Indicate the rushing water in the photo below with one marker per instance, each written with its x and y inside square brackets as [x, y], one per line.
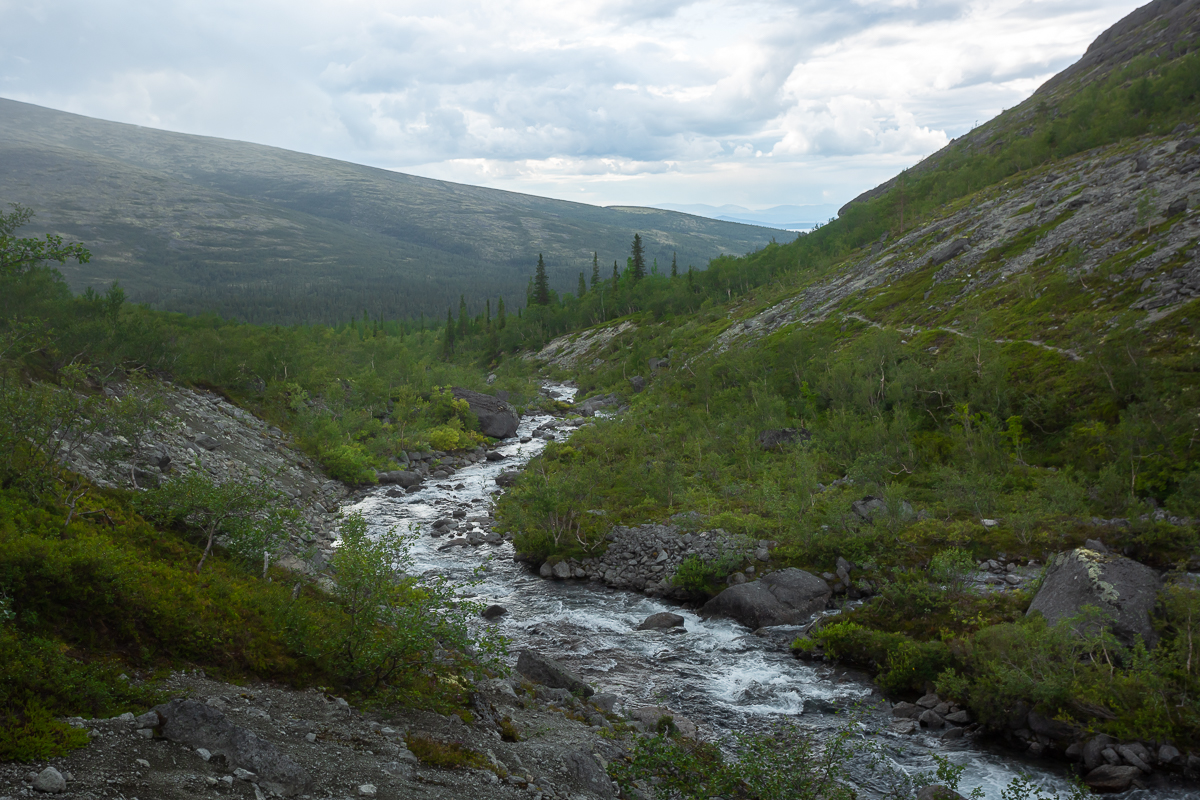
[715, 672]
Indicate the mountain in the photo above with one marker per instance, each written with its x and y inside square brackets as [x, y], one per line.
[196, 224]
[786, 217]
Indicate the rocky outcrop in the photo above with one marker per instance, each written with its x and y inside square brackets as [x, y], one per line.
[201, 726]
[786, 597]
[589, 407]
[405, 478]
[497, 418]
[1123, 590]
[548, 672]
[645, 557]
[776, 438]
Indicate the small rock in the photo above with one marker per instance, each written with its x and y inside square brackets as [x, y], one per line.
[931, 719]
[929, 701]
[938, 793]
[51, 781]
[204, 754]
[310, 737]
[1110, 778]
[1132, 758]
[953, 733]
[906, 710]
[493, 612]
[366, 790]
[1169, 755]
[244, 775]
[959, 718]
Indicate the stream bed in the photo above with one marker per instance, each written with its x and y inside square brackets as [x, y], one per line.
[717, 673]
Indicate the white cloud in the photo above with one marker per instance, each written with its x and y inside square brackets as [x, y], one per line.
[757, 102]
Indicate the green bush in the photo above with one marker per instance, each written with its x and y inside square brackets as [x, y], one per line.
[33, 734]
[705, 576]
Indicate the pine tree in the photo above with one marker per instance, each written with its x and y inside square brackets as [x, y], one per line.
[674, 267]
[691, 279]
[616, 273]
[639, 258]
[582, 285]
[595, 269]
[501, 317]
[541, 284]
[487, 317]
[448, 341]
[463, 322]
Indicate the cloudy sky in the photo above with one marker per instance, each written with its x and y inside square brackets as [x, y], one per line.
[603, 101]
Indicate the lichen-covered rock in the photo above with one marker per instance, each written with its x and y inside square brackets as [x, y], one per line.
[548, 672]
[1123, 590]
[497, 418]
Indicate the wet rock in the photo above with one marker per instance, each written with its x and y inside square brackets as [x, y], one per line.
[495, 455]
[198, 725]
[786, 597]
[507, 478]
[548, 672]
[497, 418]
[904, 727]
[930, 700]
[1110, 778]
[938, 793]
[952, 733]
[1168, 754]
[50, 781]
[605, 701]
[400, 477]
[1133, 758]
[588, 774]
[1122, 589]
[493, 612]
[561, 570]
[959, 718]
[931, 719]
[906, 710]
[660, 621]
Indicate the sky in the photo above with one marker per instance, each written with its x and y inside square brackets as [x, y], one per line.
[611, 102]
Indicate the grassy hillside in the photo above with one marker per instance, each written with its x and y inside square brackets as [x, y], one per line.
[1001, 347]
[201, 225]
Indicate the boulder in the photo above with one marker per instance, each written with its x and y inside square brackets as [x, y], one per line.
[195, 724]
[548, 672]
[50, 781]
[497, 418]
[1110, 778]
[868, 507]
[786, 597]
[507, 478]
[589, 407]
[660, 621]
[938, 793]
[493, 612]
[637, 383]
[1122, 589]
[399, 477]
[948, 251]
[651, 716]
[1053, 729]
[588, 774]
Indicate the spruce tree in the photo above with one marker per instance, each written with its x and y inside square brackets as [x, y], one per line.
[541, 284]
[448, 341]
[616, 273]
[639, 258]
[595, 269]
[463, 322]
[674, 267]
[487, 316]
[501, 317]
[582, 285]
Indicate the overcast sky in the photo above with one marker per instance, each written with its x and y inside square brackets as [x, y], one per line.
[603, 101]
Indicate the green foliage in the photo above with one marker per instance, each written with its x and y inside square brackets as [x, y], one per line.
[446, 755]
[35, 735]
[705, 577]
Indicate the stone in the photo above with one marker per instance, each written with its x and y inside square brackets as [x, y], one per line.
[548, 672]
[1074, 752]
[589, 407]
[904, 727]
[1168, 754]
[867, 508]
[366, 790]
[493, 612]
[953, 732]
[245, 775]
[938, 793]
[959, 718]
[1110, 778]
[507, 478]
[497, 418]
[588, 774]
[637, 383]
[1051, 728]
[1123, 590]
[661, 621]
[207, 442]
[906, 710]
[930, 700]
[1093, 751]
[786, 597]
[1111, 756]
[1133, 758]
[495, 455]
[931, 719]
[605, 701]
[399, 477]
[650, 717]
[949, 250]
[50, 781]
[561, 570]
[198, 725]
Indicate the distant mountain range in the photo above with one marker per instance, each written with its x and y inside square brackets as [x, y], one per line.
[788, 218]
[196, 224]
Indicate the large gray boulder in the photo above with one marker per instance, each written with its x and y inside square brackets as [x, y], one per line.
[1123, 590]
[197, 725]
[548, 672]
[949, 250]
[589, 407]
[588, 774]
[786, 597]
[497, 418]
[400, 477]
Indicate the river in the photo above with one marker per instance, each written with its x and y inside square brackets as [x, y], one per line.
[716, 673]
